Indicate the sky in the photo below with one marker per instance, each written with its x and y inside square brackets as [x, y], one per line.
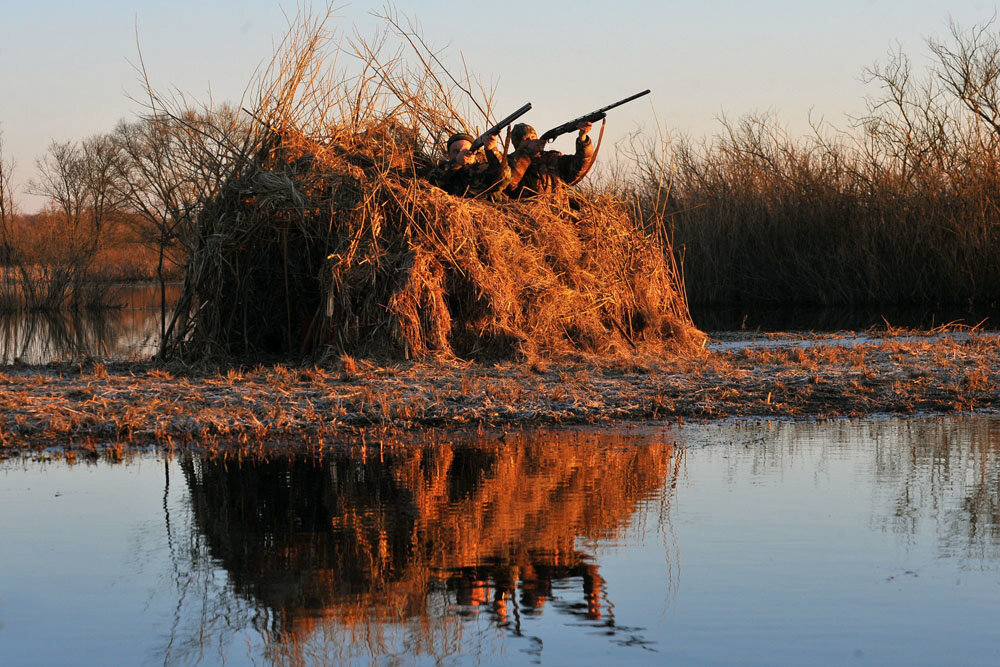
[67, 69]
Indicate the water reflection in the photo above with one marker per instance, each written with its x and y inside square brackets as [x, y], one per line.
[131, 331]
[799, 543]
[928, 476]
[388, 553]
[947, 476]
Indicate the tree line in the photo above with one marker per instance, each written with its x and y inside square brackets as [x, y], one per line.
[119, 206]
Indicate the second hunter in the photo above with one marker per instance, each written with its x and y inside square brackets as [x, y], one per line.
[535, 171]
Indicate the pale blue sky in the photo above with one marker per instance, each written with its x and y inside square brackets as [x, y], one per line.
[65, 72]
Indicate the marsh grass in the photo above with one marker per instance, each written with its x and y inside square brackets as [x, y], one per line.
[266, 408]
[765, 218]
[900, 209]
[324, 238]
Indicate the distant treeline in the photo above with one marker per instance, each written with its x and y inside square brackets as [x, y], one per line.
[121, 252]
[120, 207]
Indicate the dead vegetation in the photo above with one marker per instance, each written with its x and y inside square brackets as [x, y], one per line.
[87, 408]
[325, 239]
[898, 209]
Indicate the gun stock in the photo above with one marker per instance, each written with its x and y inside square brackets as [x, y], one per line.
[591, 117]
[481, 139]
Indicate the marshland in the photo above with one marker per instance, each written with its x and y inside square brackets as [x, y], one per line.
[273, 397]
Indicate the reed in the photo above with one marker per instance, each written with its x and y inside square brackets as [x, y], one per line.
[324, 238]
[901, 209]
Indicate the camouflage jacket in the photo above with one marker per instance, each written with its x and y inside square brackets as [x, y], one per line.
[487, 175]
[548, 171]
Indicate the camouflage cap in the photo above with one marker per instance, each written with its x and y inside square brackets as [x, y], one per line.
[519, 132]
[459, 136]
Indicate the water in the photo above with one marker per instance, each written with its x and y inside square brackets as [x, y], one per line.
[867, 542]
[131, 331]
[762, 318]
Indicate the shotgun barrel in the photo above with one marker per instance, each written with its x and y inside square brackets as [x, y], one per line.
[481, 139]
[591, 117]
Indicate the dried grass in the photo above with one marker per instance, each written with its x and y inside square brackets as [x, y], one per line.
[326, 240]
[901, 209]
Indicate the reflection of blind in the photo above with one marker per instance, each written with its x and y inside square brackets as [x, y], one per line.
[348, 536]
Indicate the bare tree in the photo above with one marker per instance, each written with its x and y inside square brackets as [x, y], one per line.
[969, 68]
[61, 180]
[170, 165]
[8, 282]
[100, 157]
[6, 203]
[80, 180]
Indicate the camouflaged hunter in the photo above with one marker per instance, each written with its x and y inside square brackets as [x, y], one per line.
[535, 171]
[468, 173]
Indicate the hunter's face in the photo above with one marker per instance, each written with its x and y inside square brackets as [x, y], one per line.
[459, 153]
[528, 136]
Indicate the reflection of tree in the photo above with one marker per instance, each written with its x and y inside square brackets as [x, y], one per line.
[930, 475]
[387, 553]
[37, 337]
[946, 472]
[40, 337]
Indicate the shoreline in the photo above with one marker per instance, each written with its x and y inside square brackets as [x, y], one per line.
[97, 409]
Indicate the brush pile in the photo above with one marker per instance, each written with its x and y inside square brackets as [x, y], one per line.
[327, 239]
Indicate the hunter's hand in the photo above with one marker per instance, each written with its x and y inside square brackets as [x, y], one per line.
[584, 128]
[534, 146]
[490, 142]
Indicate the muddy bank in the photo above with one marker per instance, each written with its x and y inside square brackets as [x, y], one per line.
[101, 408]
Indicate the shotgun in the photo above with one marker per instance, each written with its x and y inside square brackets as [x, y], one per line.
[499, 126]
[591, 117]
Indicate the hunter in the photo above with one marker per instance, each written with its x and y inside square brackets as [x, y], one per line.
[468, 173]
[534, 170]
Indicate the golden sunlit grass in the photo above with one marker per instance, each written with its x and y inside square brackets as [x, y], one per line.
[327, 240]
[255, 409]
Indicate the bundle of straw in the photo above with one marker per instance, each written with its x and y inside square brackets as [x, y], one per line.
[327, 238]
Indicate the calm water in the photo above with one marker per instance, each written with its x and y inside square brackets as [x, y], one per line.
[872, 542]
[131, 331]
